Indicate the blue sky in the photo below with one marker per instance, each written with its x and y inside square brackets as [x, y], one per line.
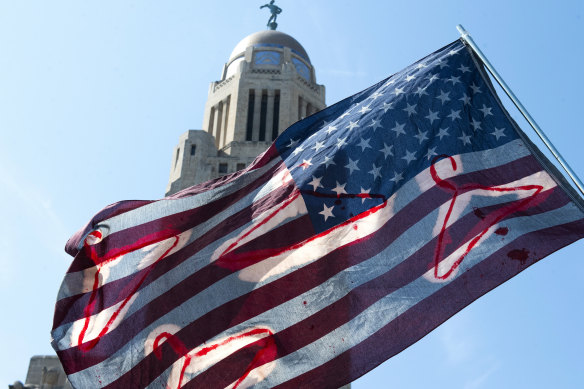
[94, 95]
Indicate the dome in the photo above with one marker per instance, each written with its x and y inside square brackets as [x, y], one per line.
[269, 38]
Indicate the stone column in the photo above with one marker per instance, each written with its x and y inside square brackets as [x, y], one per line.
[303, 106]
[223, 121]
[217, 129]
[226, 105]
[270, 115]
[211, 121]
[287, 109]
[300, 105]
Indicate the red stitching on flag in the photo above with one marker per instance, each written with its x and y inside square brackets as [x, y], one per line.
[457, 190]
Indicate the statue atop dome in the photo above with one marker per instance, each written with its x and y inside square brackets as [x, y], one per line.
[274, 10]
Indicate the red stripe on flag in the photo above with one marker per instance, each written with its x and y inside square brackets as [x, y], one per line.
[361, 297]
[72, 308]
[425, 316]
[403, 220]
[304, 279]
[154, 231]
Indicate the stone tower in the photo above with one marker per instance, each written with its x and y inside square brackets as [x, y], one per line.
[267, 84]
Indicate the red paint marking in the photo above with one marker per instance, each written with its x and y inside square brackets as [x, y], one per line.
[91, 249]
[498, 215]
[266, 353]
[344, 195]
[286, 177]
[502, 231]
[178, 347]
[93, 237]
[92, 300]
[519, 255]
[236, 261]
[292, 197]
[479, 213]
[239, 261]
[355, 227]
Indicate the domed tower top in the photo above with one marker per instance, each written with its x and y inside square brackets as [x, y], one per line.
[268, 51]
[267, 84]
[266, 39]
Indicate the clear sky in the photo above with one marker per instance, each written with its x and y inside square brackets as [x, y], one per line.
[94, 95]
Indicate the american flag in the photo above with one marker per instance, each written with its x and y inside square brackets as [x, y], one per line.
[360, 230]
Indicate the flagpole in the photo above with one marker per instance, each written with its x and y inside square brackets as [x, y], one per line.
[467, 38]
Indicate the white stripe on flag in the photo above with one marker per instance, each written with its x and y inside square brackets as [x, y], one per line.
[167, 207]
[199, 304]
[393, 305]
[75, 282]
[341, 284]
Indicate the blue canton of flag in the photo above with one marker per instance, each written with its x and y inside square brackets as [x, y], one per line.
[355, 156]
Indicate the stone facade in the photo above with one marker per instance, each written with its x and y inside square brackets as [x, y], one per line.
[267, 84]
[44, 372]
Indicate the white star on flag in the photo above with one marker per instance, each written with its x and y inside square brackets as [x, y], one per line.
[363, 194]
[364, 144]
[375, 124]
[410, 109]
[409, 157]
[465, 139]
[315, 183]
[432, 116]
[499, 132]
[339, 189]
[352, 166]
[352, 125]
[327, 212]
[399, 129]
[387, 150]
[375, 171]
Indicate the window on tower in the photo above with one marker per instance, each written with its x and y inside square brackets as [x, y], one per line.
[301, 68]
[263, 115]
[276, 116]
[267, 58]
[250, 106]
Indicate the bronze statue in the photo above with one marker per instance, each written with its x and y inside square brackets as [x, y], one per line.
[275, 10]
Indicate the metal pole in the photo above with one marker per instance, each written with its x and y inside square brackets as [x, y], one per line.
[467, 38]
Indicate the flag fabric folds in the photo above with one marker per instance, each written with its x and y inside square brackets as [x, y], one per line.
[360, 230]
